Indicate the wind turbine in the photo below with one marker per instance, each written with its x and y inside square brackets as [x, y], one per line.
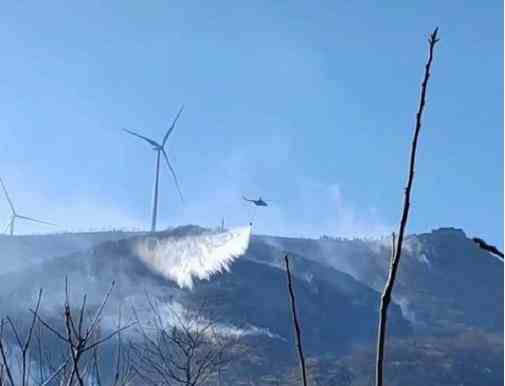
[14, 215]
[160, 150]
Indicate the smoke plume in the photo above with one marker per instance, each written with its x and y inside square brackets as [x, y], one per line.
[196, 256]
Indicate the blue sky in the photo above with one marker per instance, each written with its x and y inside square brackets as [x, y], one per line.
[309, 104]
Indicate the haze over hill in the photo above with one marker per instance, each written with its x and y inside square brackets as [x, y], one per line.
[447, 287]
[433, 281]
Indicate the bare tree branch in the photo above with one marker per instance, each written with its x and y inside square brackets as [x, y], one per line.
[107, 337]
[4, 354]
[99, 312]
[187, 351]
[383, 316]
[55, 374]
[49, 327]
[386, 295]
[296, 324]
[29, 338]
[79, 340]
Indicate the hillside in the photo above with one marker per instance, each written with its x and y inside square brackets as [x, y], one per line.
[445, 283]
[449, 298]
[20, 251]
[337, 310]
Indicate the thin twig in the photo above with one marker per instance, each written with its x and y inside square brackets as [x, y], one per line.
[81, 315]
[49, 327]
[29, 338]
[118, 350]
[55, 374]
[99, 312]
[296, 324]
[4, 354]
[109, 336]
[97, 367]
[386, 295]
[15, 331]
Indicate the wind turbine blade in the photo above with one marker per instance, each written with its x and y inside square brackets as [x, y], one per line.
[171, 128]
[7, 195]
[7, 226]
[34, 220]
[173, 174]
[150, 141]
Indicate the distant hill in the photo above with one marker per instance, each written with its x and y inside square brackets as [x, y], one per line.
[448, 290]
[445, 281]
[336, 310]
[21, 250]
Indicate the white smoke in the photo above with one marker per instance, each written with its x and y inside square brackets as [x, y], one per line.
[407, 311]
[166, 315]
[424, 259]
[174, 314]
[197, 256]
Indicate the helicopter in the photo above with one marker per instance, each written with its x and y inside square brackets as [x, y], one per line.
[258, 202]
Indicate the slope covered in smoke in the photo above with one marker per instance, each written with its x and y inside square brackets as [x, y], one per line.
[23, 250]
[445, 281]
[446, 285]
[249, 291]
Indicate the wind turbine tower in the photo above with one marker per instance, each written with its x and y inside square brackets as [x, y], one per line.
[159, 149]
[14, 215]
